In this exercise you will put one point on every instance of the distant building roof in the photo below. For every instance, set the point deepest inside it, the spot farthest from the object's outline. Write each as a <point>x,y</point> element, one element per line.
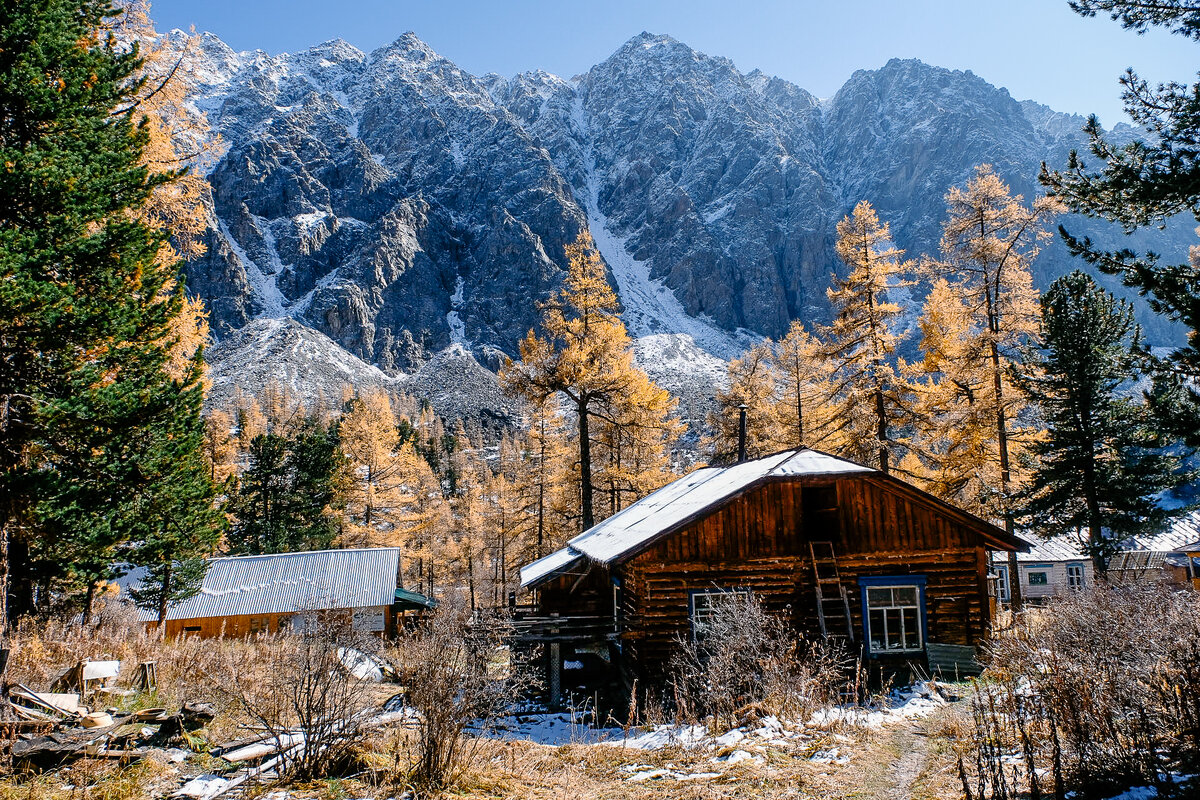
<point>286,583</point>
<point>1174,539</point>
<point>408,600</point>
<point>680,502</point>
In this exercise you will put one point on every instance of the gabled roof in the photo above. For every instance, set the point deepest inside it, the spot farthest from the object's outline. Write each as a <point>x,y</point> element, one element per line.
<point>682,501</point>
<point>286,583</point>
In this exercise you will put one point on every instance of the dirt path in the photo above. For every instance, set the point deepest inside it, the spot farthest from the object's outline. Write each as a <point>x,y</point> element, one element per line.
<point>912,744</point>
<point>911,760</point>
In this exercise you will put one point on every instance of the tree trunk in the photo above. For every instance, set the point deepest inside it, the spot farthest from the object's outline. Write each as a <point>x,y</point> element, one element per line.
<point>4,646</point>
<point>1014,575</point>
<point>882,433</point>
<point>799,415</point>
<point>164,595</point>
<point>585,466</point>
<point>88,600</point>
<point>1095,529</point>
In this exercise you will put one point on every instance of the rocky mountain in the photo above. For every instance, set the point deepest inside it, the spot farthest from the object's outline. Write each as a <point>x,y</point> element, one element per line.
<point>401,206</point>
<point>316,370</point>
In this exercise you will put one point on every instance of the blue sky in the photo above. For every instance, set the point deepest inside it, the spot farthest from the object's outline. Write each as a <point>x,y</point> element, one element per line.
<point>1037,49</point>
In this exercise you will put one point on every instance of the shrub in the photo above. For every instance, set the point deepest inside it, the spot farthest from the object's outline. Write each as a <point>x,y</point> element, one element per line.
<point>747,656</point>
<point>297,686</point>
<point>458,682</point>
<point>1095,693</point>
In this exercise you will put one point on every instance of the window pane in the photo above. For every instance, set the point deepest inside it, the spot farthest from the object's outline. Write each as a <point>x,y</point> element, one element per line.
<point>878,629</point>
<point>904,596</point>
<point>912,629</point>
<point>879,597</point>
<point>895,640</point>
<point>1038,579</point>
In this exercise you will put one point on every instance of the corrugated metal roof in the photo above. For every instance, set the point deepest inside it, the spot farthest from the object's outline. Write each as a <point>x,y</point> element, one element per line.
<point>286,583</point>
<point>1175,539</point>
<point>677,502</point>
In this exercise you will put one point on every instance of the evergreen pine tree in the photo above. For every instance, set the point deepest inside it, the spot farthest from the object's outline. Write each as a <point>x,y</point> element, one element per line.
<point>88,305</point>
<point>1102,464</point>
<point>283,500</point>
<point>1143,184</point>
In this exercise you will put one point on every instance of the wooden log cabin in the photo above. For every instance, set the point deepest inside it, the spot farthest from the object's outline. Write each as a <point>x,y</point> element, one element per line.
<point>246,595</point>
<point>842,549</point>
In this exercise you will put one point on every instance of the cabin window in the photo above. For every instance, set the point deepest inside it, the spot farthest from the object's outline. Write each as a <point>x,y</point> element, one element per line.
<point>1195,561</point>
<point>894,613</point>
<point>1002,587</point>
<point>705,605</point>
<point>1075,576</point>
<point>190,629</point>
<point>1038,578</point>
<point>260,624</point>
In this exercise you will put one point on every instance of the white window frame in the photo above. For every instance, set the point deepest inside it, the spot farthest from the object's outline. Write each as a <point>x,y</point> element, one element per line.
<point>916,605</point>
<point>1076,575</point>
<point>695,619</point>
<point>1003,587</point>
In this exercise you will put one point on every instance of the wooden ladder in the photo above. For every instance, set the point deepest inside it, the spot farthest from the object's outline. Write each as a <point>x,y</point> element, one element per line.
<point>832,599</point>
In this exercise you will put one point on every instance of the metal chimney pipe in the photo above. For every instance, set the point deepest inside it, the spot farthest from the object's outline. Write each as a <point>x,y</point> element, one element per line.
<point>741,433</point>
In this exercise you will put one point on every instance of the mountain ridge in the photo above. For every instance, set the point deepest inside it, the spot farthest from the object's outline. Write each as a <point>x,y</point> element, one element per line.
<point>400,205</point>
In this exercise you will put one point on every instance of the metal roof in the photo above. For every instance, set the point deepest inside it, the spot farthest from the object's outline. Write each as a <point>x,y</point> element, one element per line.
<point>286,583</point>
<point>409,600</point>
<point>547,566</point>
<point>1174,539</point>
<point>676,503</point>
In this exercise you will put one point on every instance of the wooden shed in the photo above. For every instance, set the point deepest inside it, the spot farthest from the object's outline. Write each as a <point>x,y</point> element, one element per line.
<point>842,549</point>
<point>246,595</point>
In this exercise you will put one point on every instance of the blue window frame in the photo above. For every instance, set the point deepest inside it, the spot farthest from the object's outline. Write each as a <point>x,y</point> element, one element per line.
<point>894,619</point>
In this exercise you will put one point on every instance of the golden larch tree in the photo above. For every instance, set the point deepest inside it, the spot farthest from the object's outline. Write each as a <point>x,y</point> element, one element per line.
<point>751,384</point>
<point>804,409</point>
<point>989,240</point>
<point>584,356</point>
<point>376,487</point>
<point>859,346</point>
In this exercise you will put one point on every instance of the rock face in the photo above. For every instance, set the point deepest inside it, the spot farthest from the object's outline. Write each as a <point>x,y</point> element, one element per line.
<point>400,206</point>
<point>315,369</point>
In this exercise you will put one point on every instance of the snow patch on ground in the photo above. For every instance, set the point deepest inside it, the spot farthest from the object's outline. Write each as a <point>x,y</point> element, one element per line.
<point>650,306</point>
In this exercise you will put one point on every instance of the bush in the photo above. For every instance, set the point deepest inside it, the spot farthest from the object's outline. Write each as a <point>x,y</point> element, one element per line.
<point>1095,693</point>
<point>458,682</point>
<point>298,687</point>
<point>745,656</point>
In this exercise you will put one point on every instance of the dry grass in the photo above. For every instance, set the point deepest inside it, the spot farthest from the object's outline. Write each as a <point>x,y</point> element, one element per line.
<point>189,669</point>
<point>94,780</point>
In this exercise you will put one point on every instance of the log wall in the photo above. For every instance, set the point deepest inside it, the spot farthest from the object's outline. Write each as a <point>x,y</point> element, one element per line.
<point>759,542</point>
<point>241,626</point>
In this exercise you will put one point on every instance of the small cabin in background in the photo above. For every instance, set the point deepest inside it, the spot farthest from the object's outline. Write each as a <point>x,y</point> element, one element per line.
<point>1052,567</point>
<point>839,548</point>
<point>246,595</point>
